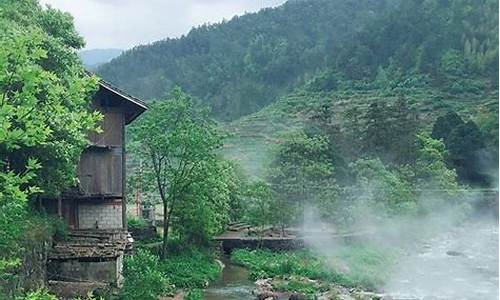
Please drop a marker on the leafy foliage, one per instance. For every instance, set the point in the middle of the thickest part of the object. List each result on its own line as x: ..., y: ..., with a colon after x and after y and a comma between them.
x: 239, y: 66
x: 179, y: 144
x: 260, y: 205
x: 191, y: 269
x: 148, y: 277
x: 44, y: 113
x: 143, y: 277
x: 300, y: 173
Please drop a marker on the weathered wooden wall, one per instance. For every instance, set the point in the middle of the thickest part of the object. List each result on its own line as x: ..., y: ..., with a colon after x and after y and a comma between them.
x: 100, y: 168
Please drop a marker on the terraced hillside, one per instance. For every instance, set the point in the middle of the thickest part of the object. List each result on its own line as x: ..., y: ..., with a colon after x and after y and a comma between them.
x: 252, y: 138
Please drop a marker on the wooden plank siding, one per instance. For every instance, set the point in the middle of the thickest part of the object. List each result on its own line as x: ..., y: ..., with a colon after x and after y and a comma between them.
x: 111, y: 126
x: 100, y: 171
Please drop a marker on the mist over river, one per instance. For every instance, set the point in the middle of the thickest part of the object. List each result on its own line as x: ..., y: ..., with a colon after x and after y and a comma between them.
x: 461, y: 263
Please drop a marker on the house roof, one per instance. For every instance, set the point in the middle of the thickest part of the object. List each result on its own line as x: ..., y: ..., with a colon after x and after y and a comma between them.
x: 136, y: 106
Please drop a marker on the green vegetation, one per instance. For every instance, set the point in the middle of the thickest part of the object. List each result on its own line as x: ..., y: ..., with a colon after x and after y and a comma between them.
x: 194, y: 185
x: 350, y: 265
x: 239, y: 66
x: 355, y: 110
x: 143, y: 277
x: 147, y: 277
x: 136, y: 223
x: 44, y: 120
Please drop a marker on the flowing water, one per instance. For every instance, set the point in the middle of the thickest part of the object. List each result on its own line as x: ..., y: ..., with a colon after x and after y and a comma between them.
x: 459, y: 264
x: 233, y: 284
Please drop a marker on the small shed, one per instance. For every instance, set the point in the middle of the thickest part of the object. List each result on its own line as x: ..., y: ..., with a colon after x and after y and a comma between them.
x: 95, y: 210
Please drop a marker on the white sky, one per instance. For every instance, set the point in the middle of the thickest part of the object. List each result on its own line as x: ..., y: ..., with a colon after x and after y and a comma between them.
x: 126, y: 23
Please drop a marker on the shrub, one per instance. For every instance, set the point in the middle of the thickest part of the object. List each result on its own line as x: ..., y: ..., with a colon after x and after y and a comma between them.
x: 144, y: 279
x: 38, y: 295
x: 194, y: 294
x: 191, y: 269
x: 134, y: 222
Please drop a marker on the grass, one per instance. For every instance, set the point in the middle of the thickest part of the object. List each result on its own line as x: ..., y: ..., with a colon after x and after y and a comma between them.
x: 353, y: 265
x: 300, y: 285
x: 192, y: 269
x: 148, y: 277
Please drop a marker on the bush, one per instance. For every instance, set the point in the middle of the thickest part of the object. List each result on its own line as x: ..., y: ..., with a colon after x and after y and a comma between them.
x: 38, y: 295
x: 133, y: 222
x: 144, y: 279
x: 147, y: 277
x: 191, y: 269
x: 194, y: 294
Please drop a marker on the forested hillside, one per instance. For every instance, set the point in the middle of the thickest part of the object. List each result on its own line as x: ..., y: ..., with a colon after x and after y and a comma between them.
x: 435, y: 56
x: 240, y: 66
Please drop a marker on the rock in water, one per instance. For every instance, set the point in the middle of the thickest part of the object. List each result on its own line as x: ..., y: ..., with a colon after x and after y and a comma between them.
x: 454, y: 253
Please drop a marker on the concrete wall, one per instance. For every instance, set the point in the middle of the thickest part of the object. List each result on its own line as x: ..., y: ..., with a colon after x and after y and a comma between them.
x: 107, y: 216
x: 93, y: 271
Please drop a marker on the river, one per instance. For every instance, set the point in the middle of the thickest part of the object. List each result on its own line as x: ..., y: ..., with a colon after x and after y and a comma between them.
x: 233, y: 284
x: 461, y: 263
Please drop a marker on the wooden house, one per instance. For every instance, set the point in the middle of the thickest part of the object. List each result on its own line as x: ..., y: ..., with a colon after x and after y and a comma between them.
x: 95, y: 211
x: 99, y: 200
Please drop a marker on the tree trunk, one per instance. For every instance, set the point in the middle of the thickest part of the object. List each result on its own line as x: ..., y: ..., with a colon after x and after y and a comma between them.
x: 166, y: 221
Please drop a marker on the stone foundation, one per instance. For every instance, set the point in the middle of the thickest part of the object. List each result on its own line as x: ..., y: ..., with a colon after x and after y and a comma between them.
x: 87, y: 260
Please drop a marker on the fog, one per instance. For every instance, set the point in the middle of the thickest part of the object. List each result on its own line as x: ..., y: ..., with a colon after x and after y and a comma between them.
x: 449, y: 253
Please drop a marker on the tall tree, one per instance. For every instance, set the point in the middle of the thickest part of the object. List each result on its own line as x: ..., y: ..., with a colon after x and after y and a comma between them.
x: 44, y: 112
x: 466, y: 146
x: 390, y: 132
x: 300, y: 172
x: 178, y: 143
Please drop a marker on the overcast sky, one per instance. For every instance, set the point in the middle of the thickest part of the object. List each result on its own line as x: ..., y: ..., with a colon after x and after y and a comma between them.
x: 126, y: 23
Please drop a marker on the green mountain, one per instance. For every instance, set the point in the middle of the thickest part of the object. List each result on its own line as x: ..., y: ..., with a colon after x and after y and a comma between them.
x: 240, y: 66
x: 267, y: 72
x: 253, y: 139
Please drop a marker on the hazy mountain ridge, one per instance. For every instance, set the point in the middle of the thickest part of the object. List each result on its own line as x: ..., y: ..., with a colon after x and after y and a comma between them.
x: 239, y: 66
x: 92, y: 58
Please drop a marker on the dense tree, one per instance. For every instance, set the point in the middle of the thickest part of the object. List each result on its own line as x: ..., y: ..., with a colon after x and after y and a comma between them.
x: 380, y: 190
x: 430, y: 170
x: 239, y: 66
x: 445, y: 124
x: 44, y: 112
x: 390, y: 131
x: 260, y: 208
x: 299, y: 175
x: 208, y: 203
x: 444, y: 39
x: 178, y: 143
x: 467, y: 148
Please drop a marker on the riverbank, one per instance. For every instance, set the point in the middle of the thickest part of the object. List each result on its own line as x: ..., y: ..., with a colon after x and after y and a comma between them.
x: 352, y: 270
